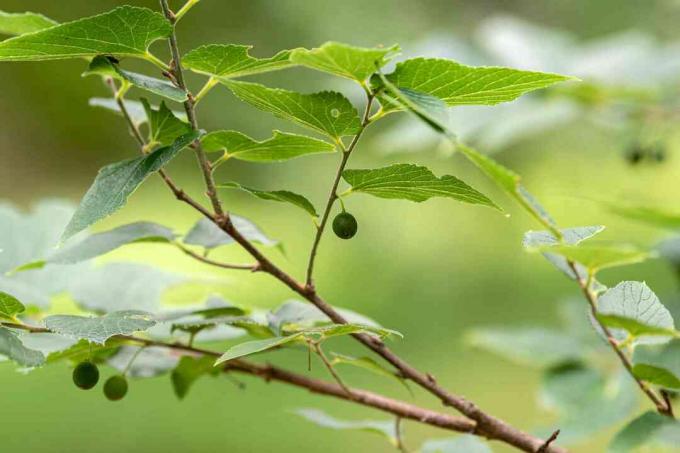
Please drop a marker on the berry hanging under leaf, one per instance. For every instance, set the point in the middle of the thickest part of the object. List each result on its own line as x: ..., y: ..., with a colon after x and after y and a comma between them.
x: 115, y: 388
x: 85, y: 375
x: 345, y: 225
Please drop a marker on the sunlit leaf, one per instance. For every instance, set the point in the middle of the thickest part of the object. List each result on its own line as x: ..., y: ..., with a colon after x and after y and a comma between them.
x: 164, y: 126
x: 412, y: 182
x: 282, y: 146
x: 253, y: 347
x: 657, y: 376
x: 116, y: 182
x: 124, y: 31
x: 20, y: 23
x: 570, y: 236
x: 10, y: 306
x: 327, y: 112
x: 284, y: 196
x: 228, y: 61
x: 597, y: 257
x: 355, y: 63
x: 646, y: 214
x: 188, y: 371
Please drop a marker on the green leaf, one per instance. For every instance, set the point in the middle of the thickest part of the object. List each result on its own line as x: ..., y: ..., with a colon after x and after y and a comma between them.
x: 164, y: 126
x: 369, y: 364
x: 275, y: 195
x: 99, y: 329
x: 253, y: 347
x: 84, y: 350
x: 386, y: 429
x: 649, y: 428
x: 649, y: 215
x: 294, y: 315
x: 227, y: 61
x: 598, y: 257
x: 282, y: 146
x: 20, y: 23
x: 633, y: 306
x: 457, y: 84
x: 528, y: 346
x: 124, y: 31
x: 188, y: 370
x: 326, y: 112
x: 116, y: 182
x: 12, y: 347
x: 102, y: 66
x: 10, y: 306
x: 462, y: 444
x: 355, y: 63
x: 657, y: 376
x: 336, y: 330
x: 570, y: 236
x: 107, y: 241
x: 206, y: 234
x: 586, y: 401
x: 134, y: 108
x: 412, y: 182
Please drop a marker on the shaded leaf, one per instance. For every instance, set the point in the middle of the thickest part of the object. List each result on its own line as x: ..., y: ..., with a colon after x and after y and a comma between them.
x: 657, y: 376
x: 188, y: 370
x: 206, y: 234
x: 458, y: 84
x: 633, y: 307
x: 659, y: 364
x: 104, y: 67
x: 294, y: 315
x: 151, y: 361
x: 164, y: 126
x: 597, y: 257
x: 367, y: 363
x: 124, y: 31
x: 10, y: 306
x: 282, y: 146
x: 14, y: 349
x: 355, y: 63
x: 20, y: 23
x: 99, y: 329
x: 284, y: 196
x: 84, y: 350
x: 253, y: 347
x: 116, y: 182
x: 231, y: 61
x: 326, y: 112
x: 649, y: 428
x: 649, y: 215
x: 386, y: 429
x: 412, y: 182
x: 528, y: 346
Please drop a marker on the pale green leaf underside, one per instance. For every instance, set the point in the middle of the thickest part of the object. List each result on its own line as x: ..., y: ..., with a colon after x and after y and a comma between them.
x: 99, y: 329
x: 467, y: 443
x: 116, y: 182
x: 10, y: 306
x: 597, y: 257
x: 253, y: 347
x: 225, y: 61
x: 103, y: 67
x: 412, y: 182
x: 206, y: 234
x: 134, y: 108
x: 124, y: 31
x: 385, y: 429
x: 164, y: 126
x: 284, y: 196
x: 327, y: 112
x: 20, y: 23
x: 458, y: 84
x: 570, y: 236
x: 281, y: 146
x: 355, y: 63
x: 634, y: 307
x: 107, y: 241
x: 12, y: 347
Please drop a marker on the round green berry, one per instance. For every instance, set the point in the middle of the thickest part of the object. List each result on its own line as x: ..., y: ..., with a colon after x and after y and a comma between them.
x: 345, y: 225
x: 85, y: 375
x: 115, y: 387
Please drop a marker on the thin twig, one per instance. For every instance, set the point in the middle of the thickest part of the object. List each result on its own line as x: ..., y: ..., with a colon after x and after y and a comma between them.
x: 203, y: 259
x: 333, y: 195
x: 398, y: 437
x: 585, y: 287
x: 553, y: 437
x: 330, y: 367
x: 270, y: 373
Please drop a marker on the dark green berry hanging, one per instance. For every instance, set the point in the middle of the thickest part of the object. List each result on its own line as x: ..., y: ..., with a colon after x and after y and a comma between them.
x: 85, y: 375
x: 345, y: 225
x: 115, y: 387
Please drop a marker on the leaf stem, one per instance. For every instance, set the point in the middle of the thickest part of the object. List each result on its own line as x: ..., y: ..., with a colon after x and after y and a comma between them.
x: 185, y: 9
x: 333, y: 195
x: 212, y: 81
x: 203, y: 259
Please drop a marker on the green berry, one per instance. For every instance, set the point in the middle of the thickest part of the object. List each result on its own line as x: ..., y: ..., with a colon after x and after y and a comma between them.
x: 345, y: 225
x: 86, y: 375
x: 115, y: 387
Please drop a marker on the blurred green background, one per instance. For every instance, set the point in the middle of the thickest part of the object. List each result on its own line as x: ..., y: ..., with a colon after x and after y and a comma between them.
x: 430, y: 270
